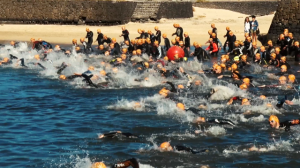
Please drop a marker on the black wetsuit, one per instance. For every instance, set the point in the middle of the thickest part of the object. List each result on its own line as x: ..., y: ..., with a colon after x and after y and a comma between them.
x: 296, y: 53
x: 187, y: 43
x: 221, y: 122
x: 125, y: 34
x: 231, y: 41
x: 87, y: 48
x: 275, y: 63
x: 87, y: 79
x: 287, y: 124
x: 168, y: 45
x: 227, y: 40
x: 158, y: 36
x: 152, y: 38
x: 290, y: 46
x: 200, y: 53
x: 107, y: 41
x: 187, y: 149
x: 61, y: 68
x: 100, y: 39
x: 263, y: 55
x: 148, y: 49
x: 269, y: 51
x: 23, y: 63
x: 215, y: 30
x: 115, y: 134
x: 283, y: 44
x: 236, y: 51
x: 179, y: 33
x: 261, y: 61
x: 89, y: 36
x: 124, y: 164
x: 117, y: 47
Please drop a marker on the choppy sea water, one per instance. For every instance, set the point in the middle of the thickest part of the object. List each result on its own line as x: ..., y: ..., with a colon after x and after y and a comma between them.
x: 50, y: 123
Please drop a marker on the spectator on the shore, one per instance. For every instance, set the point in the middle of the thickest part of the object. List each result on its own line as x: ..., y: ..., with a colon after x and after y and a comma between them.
x: 254, y: 28
x: 247, y: 25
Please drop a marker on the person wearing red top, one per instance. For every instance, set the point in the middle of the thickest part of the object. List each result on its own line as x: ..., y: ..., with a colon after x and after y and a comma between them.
x: 212, y: 48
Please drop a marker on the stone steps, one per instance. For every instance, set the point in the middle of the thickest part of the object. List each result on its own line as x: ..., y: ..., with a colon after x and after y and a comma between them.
x: 146, y: 10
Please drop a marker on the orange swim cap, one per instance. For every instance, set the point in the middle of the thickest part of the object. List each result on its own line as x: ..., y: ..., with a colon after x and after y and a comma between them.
x: 37, y: 57
x: 263, y: 97
x: 274, y: 118
x: 200, y: 119
x: 63, y: 77
x: 91, y: 68
x: 98, y: 165
x: 180, y: 106
x: 292, y: 77
x: 180, y: 87
x: 197, y: 82
x: 103, y: 73
x: 137, y: 105
x: 165, y: 146
x: 243, y: 86
x: 245, y: 101
x: 246, y: 80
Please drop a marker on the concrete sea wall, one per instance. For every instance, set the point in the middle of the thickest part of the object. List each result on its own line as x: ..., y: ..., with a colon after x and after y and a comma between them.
x: 249, y: 7
x: 287, y: 16
x: 87, y: 11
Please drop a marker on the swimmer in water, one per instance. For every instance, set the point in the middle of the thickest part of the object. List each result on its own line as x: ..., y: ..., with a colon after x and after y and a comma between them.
x: 218, y: 121
x: 124, y: 164
x: 117, y: 134
x: 274, y: 123
x: 166, y: 147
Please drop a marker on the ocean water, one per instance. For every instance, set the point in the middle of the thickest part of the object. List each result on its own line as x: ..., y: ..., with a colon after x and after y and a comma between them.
x: 49, y: 123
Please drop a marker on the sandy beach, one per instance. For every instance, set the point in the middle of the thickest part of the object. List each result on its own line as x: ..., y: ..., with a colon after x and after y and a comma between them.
x: 197, y: 28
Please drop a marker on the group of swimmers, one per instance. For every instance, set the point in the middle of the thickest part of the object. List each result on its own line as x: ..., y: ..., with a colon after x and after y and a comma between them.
x: 145, y: 56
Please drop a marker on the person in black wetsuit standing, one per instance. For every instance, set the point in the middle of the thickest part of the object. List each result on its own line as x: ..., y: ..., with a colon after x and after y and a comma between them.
x: 227, y: 38
x: 158, y: 34
x: 187, y: 40
x: 214, y: 29
x: 100, y: 37
x: 125, y: 34
x: 89, y: 36
x: 167, y: 43
x: 179, y: 31
x: 231, y: 40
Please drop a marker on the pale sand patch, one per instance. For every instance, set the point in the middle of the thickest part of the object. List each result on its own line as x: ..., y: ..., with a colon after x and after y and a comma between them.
x: 197, y: 28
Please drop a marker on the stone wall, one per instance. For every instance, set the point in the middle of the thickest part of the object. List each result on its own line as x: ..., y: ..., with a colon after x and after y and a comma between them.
x: 65, y: 11
x: 175, y: 10
x: 246, y: 7
x: 82, y: 11
x: 287, y: 16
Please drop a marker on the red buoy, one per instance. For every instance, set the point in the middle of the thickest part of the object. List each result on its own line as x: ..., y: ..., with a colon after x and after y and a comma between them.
x: 173, y: 51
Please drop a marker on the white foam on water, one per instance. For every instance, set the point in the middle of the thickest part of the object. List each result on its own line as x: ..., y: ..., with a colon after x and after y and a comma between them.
x: 216, y: 131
